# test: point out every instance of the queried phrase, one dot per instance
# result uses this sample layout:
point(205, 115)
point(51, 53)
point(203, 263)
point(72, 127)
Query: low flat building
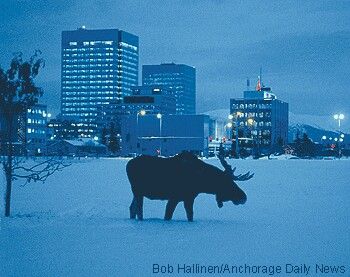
point(77, 147)
point(164, 135)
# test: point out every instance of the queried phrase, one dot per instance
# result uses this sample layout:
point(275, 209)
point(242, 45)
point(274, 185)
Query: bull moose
point(181, 178)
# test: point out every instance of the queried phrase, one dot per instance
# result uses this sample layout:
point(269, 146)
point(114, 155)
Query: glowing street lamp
point(142, 113)
point(230, 125)
point(339, 117)
point(159, 116)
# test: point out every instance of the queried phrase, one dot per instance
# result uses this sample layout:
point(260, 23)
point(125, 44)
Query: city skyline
point(302, 48)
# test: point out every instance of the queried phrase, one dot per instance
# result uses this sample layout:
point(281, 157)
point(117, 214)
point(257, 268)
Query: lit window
point(73, 43)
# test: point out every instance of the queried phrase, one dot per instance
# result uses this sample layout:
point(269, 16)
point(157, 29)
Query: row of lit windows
point(126, 86)
point(68, 71)
point(87, 65)
point(128, 57)
point(128, 53)
point(163, 81)
point(89, 82)
point(95, 49)
point(251, 106)
point(87, 111)
point(86, 55)
point(106, 92)
point(83, 100)
point(35, 131)
point(103, 42)
point(36, 121)
point(164, 75)
point(260, 123)
point(99, 49)
point(96, 42)
point(36, 111)
point(93, 43)
point(134, 80)
point(86, 104)
point(88, 87)
point(253, 114)
point(127, 45)
point(125, 63)
point(88, 60)
point(91, 76)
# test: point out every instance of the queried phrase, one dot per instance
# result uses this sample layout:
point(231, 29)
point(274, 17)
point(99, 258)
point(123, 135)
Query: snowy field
point(76, 224)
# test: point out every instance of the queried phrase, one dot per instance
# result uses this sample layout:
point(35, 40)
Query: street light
point(159, 116)
point(235, 116)
point(339, 117)
point(142, 113)
point(254, 131)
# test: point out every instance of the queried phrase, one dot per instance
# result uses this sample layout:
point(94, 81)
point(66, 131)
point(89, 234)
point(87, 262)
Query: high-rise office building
point(181, 80)
point(261, 118)
point(98, 67)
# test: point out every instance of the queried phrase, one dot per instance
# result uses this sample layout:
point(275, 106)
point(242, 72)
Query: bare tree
point(18, 93)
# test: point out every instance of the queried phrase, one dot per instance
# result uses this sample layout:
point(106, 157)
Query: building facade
point(29, 131)
point(149, 99)
point(179, 78)
point(166, 135)
point(36, 129)
point(259, 121)
point(98, 67)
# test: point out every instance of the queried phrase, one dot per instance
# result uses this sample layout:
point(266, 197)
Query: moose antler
point(229, 170)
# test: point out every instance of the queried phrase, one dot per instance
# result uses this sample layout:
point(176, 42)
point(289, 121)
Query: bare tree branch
point(40, 171)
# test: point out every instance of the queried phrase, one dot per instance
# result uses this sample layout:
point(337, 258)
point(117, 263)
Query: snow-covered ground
point(76, 224)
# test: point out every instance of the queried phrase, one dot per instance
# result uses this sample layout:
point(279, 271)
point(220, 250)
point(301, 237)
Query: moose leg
point(189, 208)
point(133, 208)
point(139, 207)
point(170, 208)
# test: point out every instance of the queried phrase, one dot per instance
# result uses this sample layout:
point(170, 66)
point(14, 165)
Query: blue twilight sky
point(303, 46)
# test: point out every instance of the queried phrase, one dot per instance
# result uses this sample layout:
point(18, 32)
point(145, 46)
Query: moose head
point(229, 190)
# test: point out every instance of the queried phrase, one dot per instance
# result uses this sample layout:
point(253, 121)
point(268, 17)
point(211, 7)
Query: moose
point(181, 178)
